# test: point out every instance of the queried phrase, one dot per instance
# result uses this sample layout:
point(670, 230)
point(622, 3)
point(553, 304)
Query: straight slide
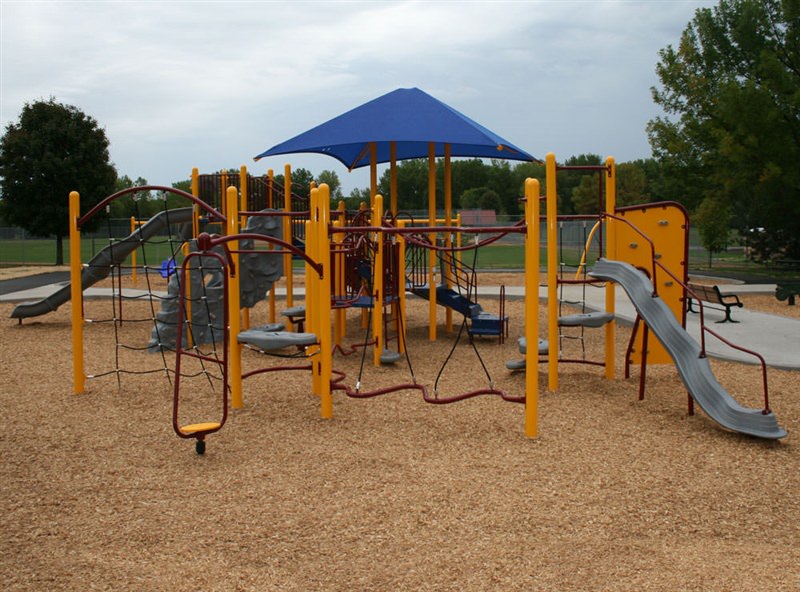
point(100, 265)
point(695, 372)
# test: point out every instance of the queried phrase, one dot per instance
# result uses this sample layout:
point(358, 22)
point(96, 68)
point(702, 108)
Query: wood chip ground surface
point(98, 493)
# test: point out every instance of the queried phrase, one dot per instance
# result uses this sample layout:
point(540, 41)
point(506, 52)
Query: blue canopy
point(407, 116)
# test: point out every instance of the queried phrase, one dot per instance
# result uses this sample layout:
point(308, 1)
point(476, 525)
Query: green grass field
point(43, 252)
point(503, 256)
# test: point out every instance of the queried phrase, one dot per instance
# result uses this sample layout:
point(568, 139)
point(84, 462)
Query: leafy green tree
point(731, 87)
point(301, 181)
point(357, 197)
point(467, 174)
point(334, 184)
point(525, 170)
point(502, 183)
point(568, 181)
point(713, 221)
point(471, 198)
point(412, 185)
point(173, 200)
point(631, 184)
point(132, 204)
point(585, 197)
point(53, 149)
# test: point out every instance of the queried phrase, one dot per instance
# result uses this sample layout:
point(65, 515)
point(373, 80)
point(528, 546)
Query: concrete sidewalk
point(776, 338)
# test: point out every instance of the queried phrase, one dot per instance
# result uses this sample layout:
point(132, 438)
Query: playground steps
point(275, 340)
point(488, 324)
point(543, 347)
point(389, 357)
point(480, 321)
point(592, 320)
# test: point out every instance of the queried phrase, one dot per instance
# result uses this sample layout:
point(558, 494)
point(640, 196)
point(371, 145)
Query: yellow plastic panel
point(667, 226)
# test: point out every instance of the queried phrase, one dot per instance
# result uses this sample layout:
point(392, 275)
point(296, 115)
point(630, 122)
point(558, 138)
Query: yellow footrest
point(194, 428)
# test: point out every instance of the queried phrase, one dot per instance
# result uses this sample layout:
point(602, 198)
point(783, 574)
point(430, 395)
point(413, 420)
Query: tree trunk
point(59, 250)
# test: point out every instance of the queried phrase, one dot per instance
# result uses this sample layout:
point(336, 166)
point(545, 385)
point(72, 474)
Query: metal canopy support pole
point(393, 178)
point(448, 221)
point(377, 282)
point(432, 237)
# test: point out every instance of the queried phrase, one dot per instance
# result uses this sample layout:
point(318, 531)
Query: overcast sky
point(189, 84)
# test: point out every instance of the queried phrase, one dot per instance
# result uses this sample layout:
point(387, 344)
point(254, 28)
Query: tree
point(301, 182)
point(53, 149)
point(568, 181)
point(586, 196)
point(631, 184)
point(357, 197)
point(481, 198)
point(132, 204)
point(732, 87)
point(412, 184)
point(334, 184)
point(713, 221)
point(502, 183)
point(467, 174)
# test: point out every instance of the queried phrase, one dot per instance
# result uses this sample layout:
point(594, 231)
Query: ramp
point(100, 265)
point(695, 372)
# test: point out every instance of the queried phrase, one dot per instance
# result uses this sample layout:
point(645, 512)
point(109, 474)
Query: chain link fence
point(19, 247)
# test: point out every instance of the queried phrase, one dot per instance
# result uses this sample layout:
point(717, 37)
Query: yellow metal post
point(532, 308)
point(552, 273)
point(373, 173)
point(611, 205)
point(401, 304)
point(377, 283)
point(323, 304)
point(393, 177)
point(76, 293)
point(448, 220)
point(432, 237)
point(234, 323)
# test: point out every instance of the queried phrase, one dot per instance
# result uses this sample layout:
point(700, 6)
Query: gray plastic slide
point(100, 265)
point(685, 351)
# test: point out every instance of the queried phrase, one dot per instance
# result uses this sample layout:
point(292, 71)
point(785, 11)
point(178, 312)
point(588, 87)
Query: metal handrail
point(655, 264)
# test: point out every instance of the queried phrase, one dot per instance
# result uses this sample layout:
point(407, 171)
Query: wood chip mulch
point(392, 493)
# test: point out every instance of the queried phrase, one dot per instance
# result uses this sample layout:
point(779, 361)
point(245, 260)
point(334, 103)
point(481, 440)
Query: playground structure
point(340, 262)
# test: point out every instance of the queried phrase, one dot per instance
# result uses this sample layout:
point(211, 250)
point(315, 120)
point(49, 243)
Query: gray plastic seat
point(274, 340)
point(592, 320)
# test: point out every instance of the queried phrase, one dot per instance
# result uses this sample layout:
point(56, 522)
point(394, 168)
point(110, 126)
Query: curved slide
point(695, 372)
point(100, 265)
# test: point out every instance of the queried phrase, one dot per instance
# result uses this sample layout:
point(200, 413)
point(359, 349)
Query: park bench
point(712, 295)
point(787, 290)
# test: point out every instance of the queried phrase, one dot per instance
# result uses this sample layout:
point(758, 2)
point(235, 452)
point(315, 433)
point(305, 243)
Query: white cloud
point(209, 84)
